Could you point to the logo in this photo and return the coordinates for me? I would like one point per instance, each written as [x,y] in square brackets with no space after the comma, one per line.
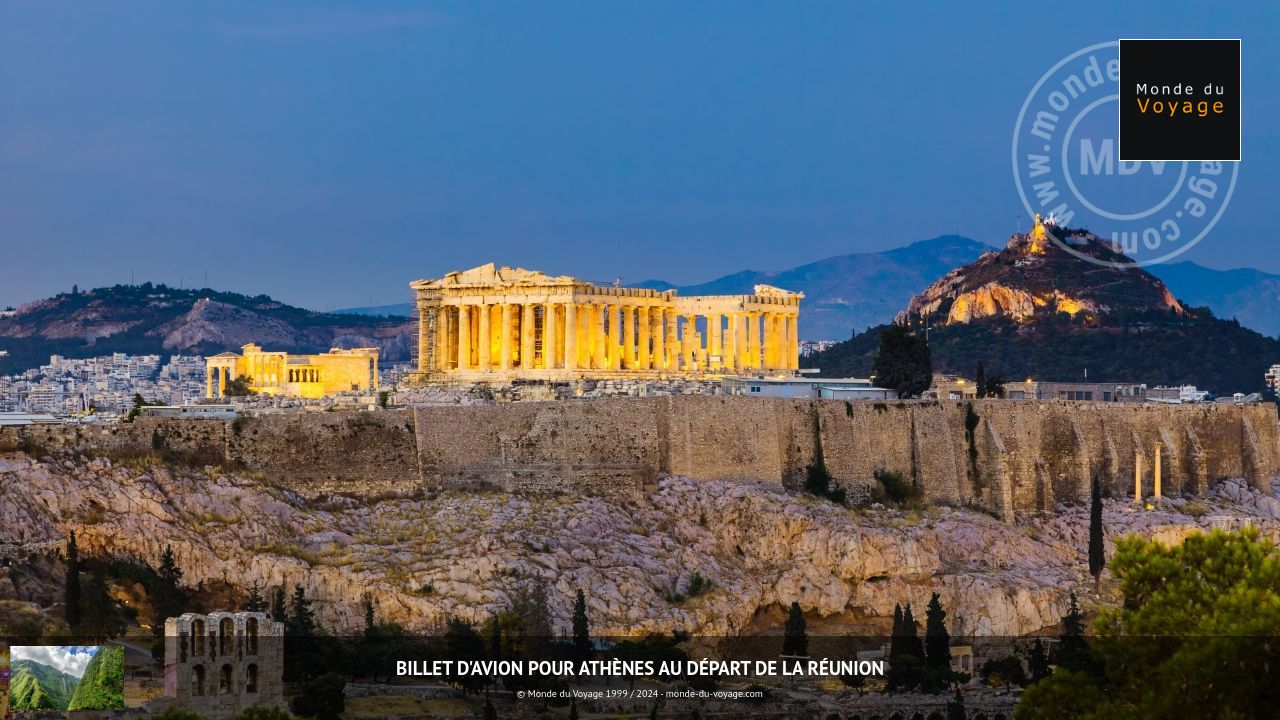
[1067,167]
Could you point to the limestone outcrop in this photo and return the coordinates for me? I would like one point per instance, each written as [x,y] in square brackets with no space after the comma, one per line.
[428,556]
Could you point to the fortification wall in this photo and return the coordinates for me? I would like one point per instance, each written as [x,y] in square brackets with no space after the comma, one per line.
[1009,456]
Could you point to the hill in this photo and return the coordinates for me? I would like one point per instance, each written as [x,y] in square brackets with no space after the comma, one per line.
[852,291]
[156,319]
[102,687]
[1248,295]
[36,686]
[1035,310]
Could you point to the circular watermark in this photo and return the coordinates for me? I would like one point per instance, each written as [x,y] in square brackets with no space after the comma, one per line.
[1067,166]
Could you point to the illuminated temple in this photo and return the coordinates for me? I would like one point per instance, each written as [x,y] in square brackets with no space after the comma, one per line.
[501,324]
[280,373]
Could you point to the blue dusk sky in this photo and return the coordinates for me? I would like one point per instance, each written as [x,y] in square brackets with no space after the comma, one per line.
[328,153]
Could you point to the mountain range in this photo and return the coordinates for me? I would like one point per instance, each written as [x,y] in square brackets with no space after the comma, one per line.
[847,293]
[155,319]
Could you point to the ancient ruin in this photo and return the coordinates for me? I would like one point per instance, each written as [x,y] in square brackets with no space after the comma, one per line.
[282,373]
[492,324]
[219,664]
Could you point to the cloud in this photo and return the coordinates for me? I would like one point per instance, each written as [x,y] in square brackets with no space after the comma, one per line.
[71,659]
[320,22]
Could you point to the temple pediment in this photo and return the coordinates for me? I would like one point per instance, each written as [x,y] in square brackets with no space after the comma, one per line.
[490,275]
[771,291]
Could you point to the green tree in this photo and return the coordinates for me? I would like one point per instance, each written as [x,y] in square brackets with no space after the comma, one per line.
[1003,671]
[464,645]
[367,602]
[321,698]
[1073,652]
[980,381]
[1097,551]
[255,602]
[903,363]
[581,629]
[278,611]
[906,653]
[301,621]
[795,639]
[1037,662]
[1194,636]
[71,594]
[240,386]
[98,610]
[937,646]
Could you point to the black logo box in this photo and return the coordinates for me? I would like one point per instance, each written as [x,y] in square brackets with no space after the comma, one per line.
[1184,64]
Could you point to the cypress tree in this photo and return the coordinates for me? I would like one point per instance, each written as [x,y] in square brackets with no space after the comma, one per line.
[911,635]
[71,596]
[981,381]
[573,709]
[278,612]
[795,640]
[895,638]
[368,616]
[1038,662]
[302,620]
[1097,555]
[255,602]
[489,712]
[495,639]
[581,629]
[937,645]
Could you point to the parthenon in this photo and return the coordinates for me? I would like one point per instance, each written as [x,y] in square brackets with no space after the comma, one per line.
[497,324]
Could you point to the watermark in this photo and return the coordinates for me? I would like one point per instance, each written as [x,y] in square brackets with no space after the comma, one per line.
[1066,166]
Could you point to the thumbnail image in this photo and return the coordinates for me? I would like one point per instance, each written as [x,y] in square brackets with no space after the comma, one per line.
[75,677]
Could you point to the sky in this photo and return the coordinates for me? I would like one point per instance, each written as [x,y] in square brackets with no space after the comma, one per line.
[70,659]
[328,153]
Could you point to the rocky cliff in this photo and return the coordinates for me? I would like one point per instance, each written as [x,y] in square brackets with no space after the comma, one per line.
[456,553]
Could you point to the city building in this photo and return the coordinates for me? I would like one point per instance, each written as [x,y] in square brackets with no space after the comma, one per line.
[1273,378]
[952,387]
[801,387]
[282,373]
[1177,395]
[491,324]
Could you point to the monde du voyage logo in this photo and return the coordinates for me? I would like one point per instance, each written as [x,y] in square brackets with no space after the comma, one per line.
[1134,140]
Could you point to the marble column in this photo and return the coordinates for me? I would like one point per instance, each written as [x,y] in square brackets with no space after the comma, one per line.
[485,344]
[628,337]
[730,344]
[715,344]
[599,341]
[208,381]
[570,336]
[424,320]
[642,342]
[753,340]
[614,360]
[673,340]
[689,343]
[444,338]
[464,337]
[793,341]
[505,339]
[769,339]
[549,339]
[658,331]
[528,323]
